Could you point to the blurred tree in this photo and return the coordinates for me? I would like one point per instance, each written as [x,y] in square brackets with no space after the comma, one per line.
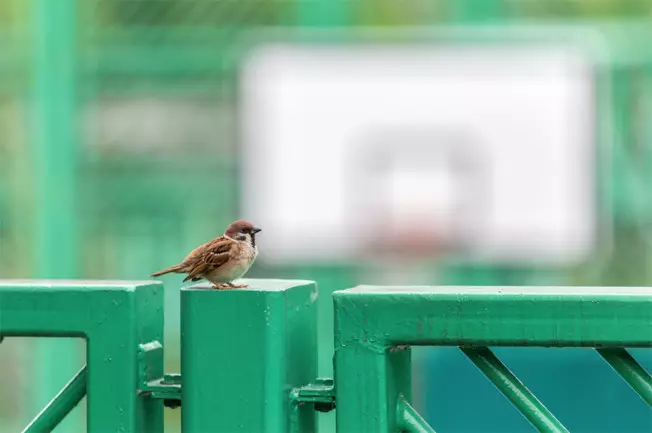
[597,9]
[398,13]
[171,13]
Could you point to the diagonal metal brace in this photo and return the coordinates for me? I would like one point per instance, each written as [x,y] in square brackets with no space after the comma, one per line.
[516,392]
[408,419]
[61,405]
[631,371]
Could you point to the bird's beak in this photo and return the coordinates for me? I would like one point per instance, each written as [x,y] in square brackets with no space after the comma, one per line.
[255,230]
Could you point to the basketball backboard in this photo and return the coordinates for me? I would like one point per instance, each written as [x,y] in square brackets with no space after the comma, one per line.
[487,151]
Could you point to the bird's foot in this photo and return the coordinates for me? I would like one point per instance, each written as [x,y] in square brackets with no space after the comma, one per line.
[238,286]
[220,287]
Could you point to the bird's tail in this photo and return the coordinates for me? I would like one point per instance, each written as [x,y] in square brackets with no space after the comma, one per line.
[175,268]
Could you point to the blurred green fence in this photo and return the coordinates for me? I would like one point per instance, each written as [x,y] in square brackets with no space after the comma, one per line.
[125,140]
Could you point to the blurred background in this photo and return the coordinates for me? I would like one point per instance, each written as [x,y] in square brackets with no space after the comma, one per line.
[470,142]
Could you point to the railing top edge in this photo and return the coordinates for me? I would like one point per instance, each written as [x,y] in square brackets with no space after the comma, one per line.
[494,316]
[255,285]
[368,291]
[86,285]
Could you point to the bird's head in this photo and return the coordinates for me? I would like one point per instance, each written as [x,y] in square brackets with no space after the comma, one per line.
[242,231]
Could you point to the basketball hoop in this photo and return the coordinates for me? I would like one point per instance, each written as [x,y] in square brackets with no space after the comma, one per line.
[412,240]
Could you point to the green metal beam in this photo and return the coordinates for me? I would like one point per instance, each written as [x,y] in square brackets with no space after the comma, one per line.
[55,138]
[494,316]
[409,420]
[53,129]
[631,371]
[243,352]
[368,382]
[61,405]
[116,318]
[512,388]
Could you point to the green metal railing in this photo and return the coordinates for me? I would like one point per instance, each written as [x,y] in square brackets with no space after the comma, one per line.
[57,185]
[249,357]
[375,327]
[115,319]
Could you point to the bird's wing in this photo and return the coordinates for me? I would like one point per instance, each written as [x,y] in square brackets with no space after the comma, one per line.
[209,256]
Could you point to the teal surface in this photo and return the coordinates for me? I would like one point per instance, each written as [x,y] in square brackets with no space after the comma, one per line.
[578,387]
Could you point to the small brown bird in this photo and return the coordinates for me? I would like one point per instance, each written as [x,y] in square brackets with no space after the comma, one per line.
[222,260]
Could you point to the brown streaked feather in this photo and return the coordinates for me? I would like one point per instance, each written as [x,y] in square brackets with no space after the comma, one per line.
[175,268]
[222,259]
[208,257]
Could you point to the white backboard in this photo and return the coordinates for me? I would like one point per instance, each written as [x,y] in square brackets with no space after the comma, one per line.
[490,148]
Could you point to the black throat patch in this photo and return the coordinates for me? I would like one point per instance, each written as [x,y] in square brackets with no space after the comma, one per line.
[252,238]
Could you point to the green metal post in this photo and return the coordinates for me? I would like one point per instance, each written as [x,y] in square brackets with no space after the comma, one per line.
[325,14]
[369,384]
[118,319]
[242,353]
[53,125]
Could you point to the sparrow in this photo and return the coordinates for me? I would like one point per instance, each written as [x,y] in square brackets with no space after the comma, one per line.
[221,260]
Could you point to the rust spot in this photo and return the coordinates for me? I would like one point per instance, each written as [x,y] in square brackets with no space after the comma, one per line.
[399,347]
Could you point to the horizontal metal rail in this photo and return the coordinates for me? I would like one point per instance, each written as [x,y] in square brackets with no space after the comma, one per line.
[487,316]
[61,405]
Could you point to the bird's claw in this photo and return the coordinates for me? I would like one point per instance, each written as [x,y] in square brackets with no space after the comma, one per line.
[228,286]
